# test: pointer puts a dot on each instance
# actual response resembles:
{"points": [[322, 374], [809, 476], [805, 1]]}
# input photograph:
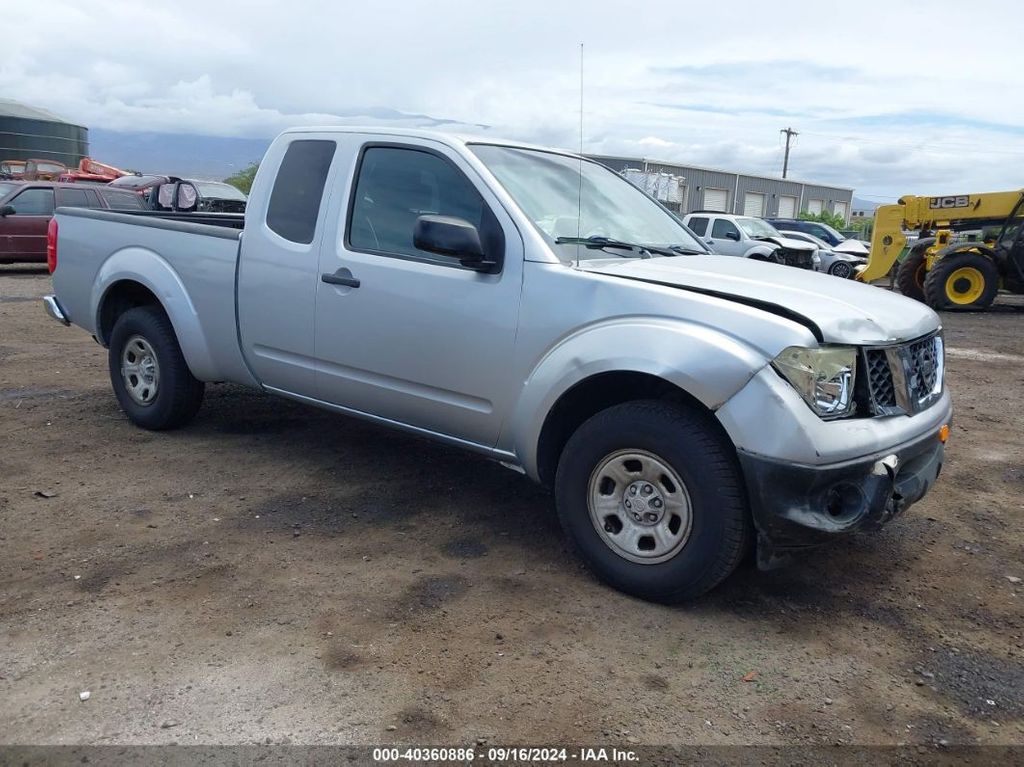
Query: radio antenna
{"points": [[579, 205]]}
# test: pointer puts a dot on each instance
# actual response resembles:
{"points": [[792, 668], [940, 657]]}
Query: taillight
{"points": [[51, 246]]}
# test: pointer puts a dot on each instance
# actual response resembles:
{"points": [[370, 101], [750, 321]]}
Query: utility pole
{"points": [[790, 133]]}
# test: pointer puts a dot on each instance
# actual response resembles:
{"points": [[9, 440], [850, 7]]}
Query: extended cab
{"points": [[537, 308], [753, 238]]}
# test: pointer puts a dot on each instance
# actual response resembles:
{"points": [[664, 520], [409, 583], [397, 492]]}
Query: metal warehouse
{"points": [[686, 188], [30, 133]]}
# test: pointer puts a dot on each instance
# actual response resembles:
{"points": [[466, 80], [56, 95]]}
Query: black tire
{"points": [[687, 441], [841, 269], [941, 285], [178, 394], [911, 275]]}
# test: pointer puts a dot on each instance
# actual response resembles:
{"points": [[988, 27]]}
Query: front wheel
{"points": [[841, 269], [650, 494], [151, 380]]}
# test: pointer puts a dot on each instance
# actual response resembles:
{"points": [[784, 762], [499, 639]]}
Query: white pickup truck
{"points": [[535, 307]]}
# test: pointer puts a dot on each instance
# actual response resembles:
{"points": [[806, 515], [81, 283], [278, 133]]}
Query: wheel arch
{"points": [[979, 248], [578, 378], [599, 392], [139, 277], [762, 253]]}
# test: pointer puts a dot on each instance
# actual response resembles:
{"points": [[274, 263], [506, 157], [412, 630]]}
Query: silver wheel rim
{"points": [[842, 269], [140, 370], [639, 506]]}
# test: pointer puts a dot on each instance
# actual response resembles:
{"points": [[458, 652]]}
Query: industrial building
{"points": [[30, 133], [686, 188]]}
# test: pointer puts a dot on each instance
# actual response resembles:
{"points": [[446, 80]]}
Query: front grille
{"points": [[904, 379], [802, 259], [924, 367], [883, 392]]}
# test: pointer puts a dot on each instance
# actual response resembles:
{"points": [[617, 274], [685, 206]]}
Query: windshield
{"points": [[219, 191], [5, 189], [833, 233], [547, 187], [756, 227]]}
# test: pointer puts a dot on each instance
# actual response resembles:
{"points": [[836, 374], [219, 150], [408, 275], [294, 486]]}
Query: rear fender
{"points": [[159, 277]]}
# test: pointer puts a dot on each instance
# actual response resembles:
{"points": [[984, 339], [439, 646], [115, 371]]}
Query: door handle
{"points": [[340, 277]]}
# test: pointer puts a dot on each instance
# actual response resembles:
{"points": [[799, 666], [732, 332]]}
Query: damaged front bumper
{"points": [[797, 506]]}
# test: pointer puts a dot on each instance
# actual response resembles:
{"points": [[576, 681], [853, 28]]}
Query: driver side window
{"points": [[33, 202], [725, 229], [396, 186]]}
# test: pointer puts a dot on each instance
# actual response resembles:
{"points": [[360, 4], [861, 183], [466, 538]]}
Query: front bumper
{"points": [[796, 506]]}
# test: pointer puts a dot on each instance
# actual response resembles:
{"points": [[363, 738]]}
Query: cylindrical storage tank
{"points": [[30, 133]]}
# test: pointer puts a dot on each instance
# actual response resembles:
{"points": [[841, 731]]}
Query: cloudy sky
{"points": [[889, 97]]}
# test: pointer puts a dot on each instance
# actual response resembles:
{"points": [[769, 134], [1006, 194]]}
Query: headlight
{"points": [[824, 377]]}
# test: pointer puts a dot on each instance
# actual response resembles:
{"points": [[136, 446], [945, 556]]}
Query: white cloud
{"points": [[884, 109]]}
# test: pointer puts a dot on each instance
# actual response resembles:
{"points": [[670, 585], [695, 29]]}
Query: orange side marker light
{"points": [[944, 433]]}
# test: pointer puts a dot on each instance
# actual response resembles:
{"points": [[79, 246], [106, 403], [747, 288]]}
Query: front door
{"points": [[411, 336], [23, 232], [724, 238]]}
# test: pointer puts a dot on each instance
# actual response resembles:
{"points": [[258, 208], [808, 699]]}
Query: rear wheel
{"points": [[151, 380], [911, 275], [962, 281], [651, 496]]}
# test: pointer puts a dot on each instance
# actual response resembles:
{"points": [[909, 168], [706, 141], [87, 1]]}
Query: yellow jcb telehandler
{"points": [[943, 273]]}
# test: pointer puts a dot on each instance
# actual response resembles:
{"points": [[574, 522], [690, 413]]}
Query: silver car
{"points": [[834, 262], [534, 307]]}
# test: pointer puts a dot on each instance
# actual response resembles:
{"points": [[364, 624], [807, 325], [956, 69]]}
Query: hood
{"points": [[786, 242], [837, 311], [853, 247]]}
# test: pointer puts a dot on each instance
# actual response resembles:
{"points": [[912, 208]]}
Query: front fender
{"points": [[967, 247], [709, 365], [153, 272], [766, 252]]}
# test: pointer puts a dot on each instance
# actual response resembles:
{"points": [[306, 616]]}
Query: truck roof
{"points": [[445, 137]]}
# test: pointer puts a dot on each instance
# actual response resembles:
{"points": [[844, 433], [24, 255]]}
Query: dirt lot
{"points": [[277, 574]]}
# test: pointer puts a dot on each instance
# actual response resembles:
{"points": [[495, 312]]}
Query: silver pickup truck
{"points": [[537, 308]]}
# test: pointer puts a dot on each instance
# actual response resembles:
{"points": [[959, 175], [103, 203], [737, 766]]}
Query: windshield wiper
{"points": [[644, 251], [684, 251]]}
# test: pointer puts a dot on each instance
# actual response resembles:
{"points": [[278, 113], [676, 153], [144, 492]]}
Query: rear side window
{"points": [[299, 188], [33, 202], [122, 200], [699, 225], [723, 227], [75, 198]]}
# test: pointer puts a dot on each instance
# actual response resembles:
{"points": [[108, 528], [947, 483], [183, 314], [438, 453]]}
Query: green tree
{"points": [[243, 179], [832, 219], [863, 225]]}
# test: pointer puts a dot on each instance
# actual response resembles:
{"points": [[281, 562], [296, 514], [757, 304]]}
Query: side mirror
{"points": [[451, 236], [7, 210], [732, 236]]}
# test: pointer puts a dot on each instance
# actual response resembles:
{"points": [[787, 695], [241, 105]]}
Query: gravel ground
{"points": [[276, 574]]}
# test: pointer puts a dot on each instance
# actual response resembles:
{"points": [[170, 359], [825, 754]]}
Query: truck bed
{"points": [[227, 220], [187, 260]]}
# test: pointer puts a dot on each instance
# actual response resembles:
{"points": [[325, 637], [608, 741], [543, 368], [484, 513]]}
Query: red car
{"points": [[26, 208]]}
